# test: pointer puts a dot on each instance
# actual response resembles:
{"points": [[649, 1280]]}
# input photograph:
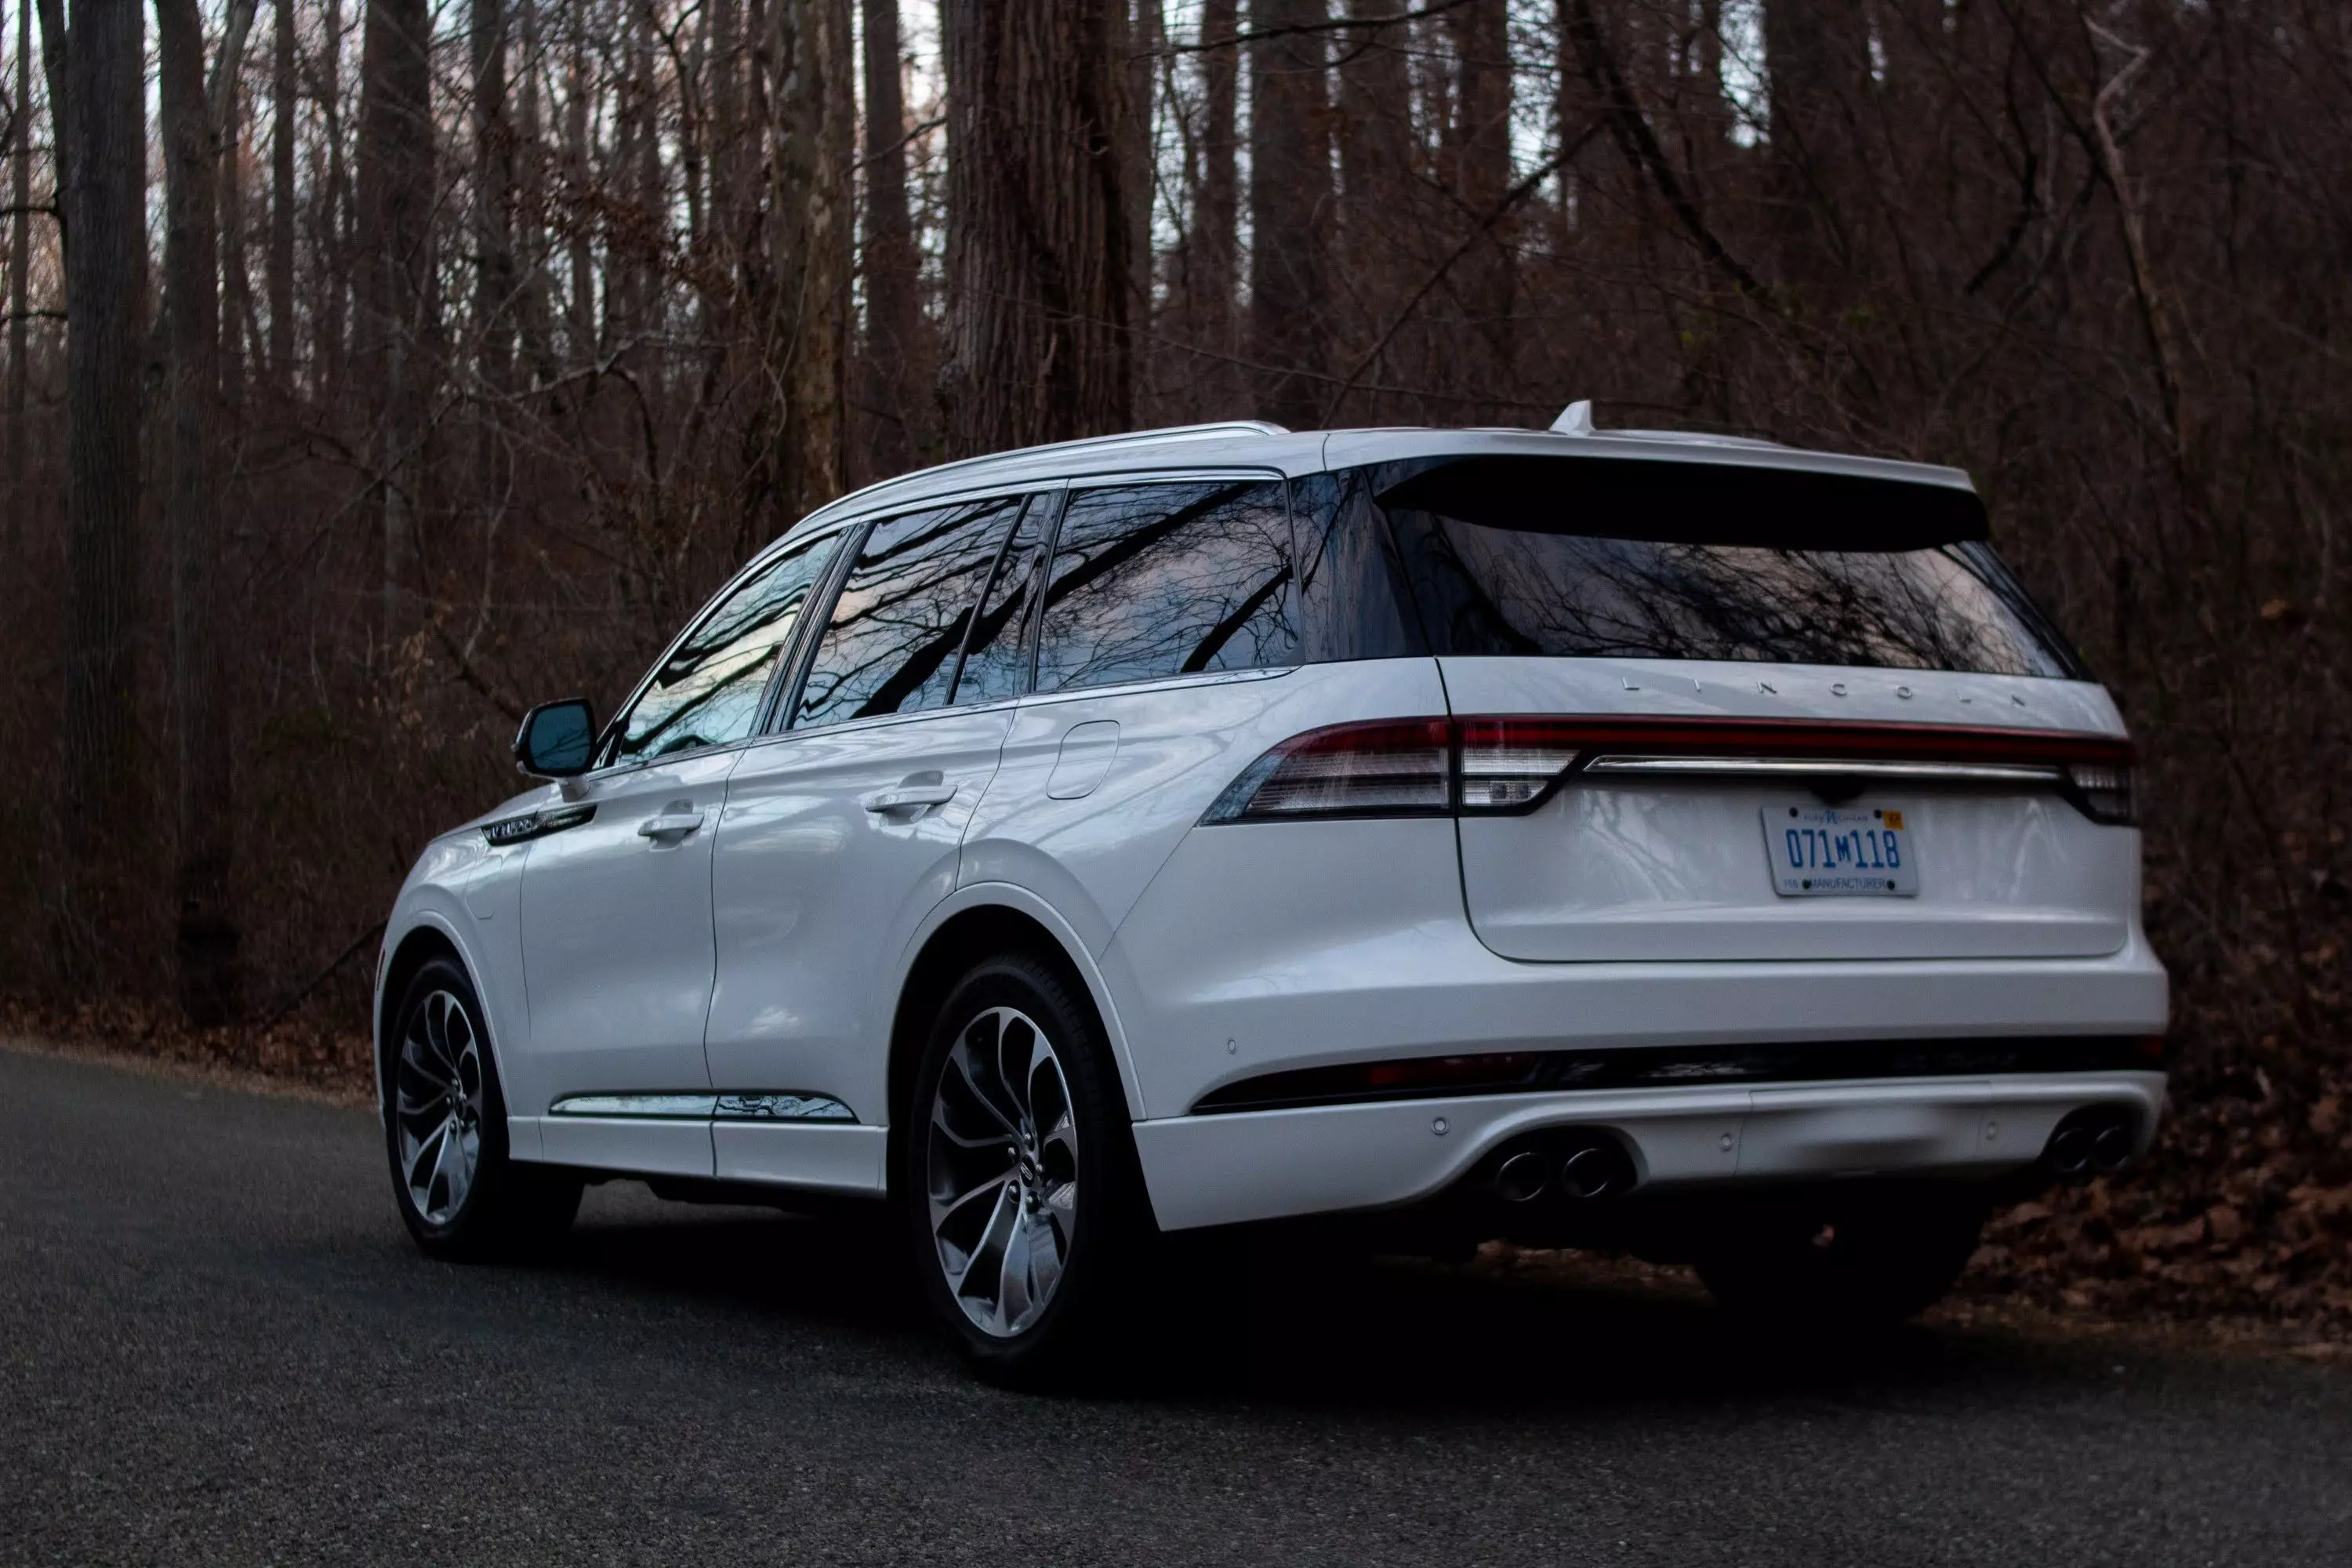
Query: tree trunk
{"points": [[206, 938], [223, 105], [900, 357], [1210, 278], [280, 279], [1383, 222], [1037, 224], [494, 280], [1480, 137], [331, 340], [1290, 212], [20, 255], [104, 115], [815, 137], [396, 201]]}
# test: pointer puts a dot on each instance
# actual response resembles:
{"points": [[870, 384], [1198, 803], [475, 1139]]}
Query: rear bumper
{"points": [[1240, 1166]]}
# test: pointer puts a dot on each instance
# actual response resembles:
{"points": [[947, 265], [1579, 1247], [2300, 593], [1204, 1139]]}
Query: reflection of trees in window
{"points": [[892, 644], [1159, 580], [707, 691], [993, 669], [1492, 590]]}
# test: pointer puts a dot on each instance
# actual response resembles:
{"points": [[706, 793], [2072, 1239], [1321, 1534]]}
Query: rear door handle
{"points": [[669, 823], [909, 795]]}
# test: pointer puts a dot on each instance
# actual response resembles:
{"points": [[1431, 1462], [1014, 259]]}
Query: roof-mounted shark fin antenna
{"points": [[1576, 419]]}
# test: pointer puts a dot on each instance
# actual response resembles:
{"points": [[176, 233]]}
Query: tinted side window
{"points": [[708, 691], [995, 663], [898, 626], [1158, 580], [1351, 601]]}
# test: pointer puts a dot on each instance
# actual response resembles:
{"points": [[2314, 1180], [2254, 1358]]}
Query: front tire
{"points": [[1024, 1202], [445, 1129], [1867, 1261]]}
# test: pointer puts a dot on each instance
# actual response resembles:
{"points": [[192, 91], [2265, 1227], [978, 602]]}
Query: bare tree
{"points": [[206, 936], [20, 267], [1037, 344], [900, 356], [1291, 208], [278, 277], [103, 114], [394, 274], [812, 142]]}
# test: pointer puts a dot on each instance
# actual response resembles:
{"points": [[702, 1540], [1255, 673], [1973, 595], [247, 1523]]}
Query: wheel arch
{"points": [[419, 945], [980, 920]]}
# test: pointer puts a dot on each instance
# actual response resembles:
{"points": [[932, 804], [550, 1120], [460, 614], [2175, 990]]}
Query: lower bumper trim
{"points": [[1657, 1066]]}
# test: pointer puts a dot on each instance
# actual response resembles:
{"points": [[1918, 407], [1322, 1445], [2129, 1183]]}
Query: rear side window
{"points": [[1155, 580], [707, 692], [1657, 560], [995, 665], [897, 628]]}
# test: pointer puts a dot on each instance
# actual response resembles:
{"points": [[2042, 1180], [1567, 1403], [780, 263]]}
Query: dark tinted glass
{"points": [[1158, 580], [707, 692], [1350, 603], [1633, 566], [898, 624], [994, 662]]}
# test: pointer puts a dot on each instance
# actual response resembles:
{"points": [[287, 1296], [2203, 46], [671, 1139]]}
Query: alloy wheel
{"points": [[1001, 1171], [437, 1109]]}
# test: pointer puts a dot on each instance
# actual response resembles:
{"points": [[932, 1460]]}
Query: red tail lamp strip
{"points": [[1509, 762]]}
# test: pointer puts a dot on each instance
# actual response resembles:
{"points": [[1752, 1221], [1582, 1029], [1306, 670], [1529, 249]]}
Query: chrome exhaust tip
{"points": [[1522, 1178]]}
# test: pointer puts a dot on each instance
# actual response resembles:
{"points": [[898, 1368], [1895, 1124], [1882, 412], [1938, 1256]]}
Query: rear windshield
{"points": [[1660, 560]]}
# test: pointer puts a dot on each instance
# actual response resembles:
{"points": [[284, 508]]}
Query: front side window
{"points": [[708, 691], [898, 629], [1155, 580]]}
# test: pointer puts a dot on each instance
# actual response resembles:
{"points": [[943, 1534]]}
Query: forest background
{"points": [[373, 368]]}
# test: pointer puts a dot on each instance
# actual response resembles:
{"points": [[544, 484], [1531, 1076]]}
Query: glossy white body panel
{"points": [[1342, 942], [815, 896], [818, 1158], [1180, 745], [1628, 869], [1269, 1164], [616, 937]]}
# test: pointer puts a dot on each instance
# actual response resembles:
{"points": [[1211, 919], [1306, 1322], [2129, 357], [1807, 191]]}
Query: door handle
{"points": [[909, 795], [678, 822]]}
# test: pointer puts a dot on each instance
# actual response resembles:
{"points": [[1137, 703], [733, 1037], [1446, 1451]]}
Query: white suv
{"points": [[1621, 838]]}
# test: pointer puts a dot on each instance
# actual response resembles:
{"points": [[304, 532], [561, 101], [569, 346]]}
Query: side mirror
{"points": [[558, 739]]}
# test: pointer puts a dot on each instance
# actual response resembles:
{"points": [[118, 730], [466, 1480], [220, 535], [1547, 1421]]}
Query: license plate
{"points": [[1828, 850]]}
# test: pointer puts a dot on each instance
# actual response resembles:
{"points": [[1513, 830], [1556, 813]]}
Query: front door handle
{"points": [[909, 795], [669, 824]]}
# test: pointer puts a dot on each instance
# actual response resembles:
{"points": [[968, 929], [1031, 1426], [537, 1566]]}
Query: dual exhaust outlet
{"points": [[1579, 1167], [2096, 1141]]}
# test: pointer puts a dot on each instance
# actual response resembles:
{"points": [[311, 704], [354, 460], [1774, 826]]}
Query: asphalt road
{"points": [[216, 1344]]}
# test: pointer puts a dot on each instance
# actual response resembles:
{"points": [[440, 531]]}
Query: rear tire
{"points": [[1869, 1260], [1024, 1204], [445, 1129]]}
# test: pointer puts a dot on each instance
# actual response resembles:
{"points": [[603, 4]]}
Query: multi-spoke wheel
{"points": [[445, 1129], [1003, 1171], [1019, 1172], [438, 1107]]}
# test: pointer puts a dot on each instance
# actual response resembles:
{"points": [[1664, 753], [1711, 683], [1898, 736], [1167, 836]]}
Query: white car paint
{"points": [[765, 950]]}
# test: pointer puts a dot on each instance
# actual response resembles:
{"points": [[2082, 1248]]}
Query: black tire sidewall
{"points": [[1112, 1225]]}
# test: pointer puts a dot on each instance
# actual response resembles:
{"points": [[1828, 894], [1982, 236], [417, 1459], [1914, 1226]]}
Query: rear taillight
{"points": [[1399, 768], [1437, 767], [2105, 792], [1507, 765], [1411, 767]]}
